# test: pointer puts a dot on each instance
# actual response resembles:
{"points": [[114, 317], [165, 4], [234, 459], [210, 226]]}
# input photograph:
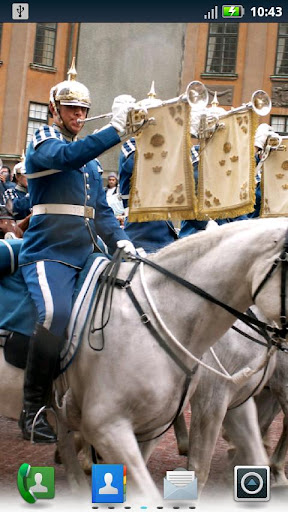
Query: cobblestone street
{"points": [[15, 451]]}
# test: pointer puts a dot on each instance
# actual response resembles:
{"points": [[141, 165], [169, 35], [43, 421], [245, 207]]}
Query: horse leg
{"points": [[147, 448], [268, 407], [278, 458], [242, 428], [68, 455], [181, 434], [116, 444], [205, 428]]}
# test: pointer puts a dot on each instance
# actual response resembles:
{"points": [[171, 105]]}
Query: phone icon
{"points": [[35, 482]]}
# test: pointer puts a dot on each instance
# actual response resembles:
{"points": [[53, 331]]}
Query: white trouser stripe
{"points": [[44, 286]]}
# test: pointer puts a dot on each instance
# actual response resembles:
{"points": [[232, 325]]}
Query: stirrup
{"points": [[43, 408]]}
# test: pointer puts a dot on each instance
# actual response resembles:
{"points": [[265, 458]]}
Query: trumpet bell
{"points": [[197, 95], [261, 102]]}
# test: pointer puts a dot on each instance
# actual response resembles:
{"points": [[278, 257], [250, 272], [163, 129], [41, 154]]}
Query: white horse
{"points": [[217, 401], [121, 397]]}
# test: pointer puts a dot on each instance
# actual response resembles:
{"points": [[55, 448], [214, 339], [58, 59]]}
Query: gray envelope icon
{"points": [[173, 492]]}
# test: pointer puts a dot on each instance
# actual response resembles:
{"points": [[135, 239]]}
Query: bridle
{"points": [[283, 261], [109, 280]]}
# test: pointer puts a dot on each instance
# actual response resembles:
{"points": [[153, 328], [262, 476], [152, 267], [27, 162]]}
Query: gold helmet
{"points": [[70, 92]]}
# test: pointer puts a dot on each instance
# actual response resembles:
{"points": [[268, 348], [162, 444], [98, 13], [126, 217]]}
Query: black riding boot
{"points": [[43, 354]]}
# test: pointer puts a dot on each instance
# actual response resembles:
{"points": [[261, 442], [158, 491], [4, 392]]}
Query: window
{"points": [[281, 67], [280, 124], [44, 50], [1, 28], [222, 48], [38, 115]]}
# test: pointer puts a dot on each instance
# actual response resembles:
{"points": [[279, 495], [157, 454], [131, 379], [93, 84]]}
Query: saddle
{"points": [[18, 314]]}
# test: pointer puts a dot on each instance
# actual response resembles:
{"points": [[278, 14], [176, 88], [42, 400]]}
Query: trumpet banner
{"points": [[162, 185], [226, 181], [274, 183]]}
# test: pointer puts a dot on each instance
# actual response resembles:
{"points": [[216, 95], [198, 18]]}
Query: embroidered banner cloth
{"points": [[163, 181], [226, 186], [274, 183]]}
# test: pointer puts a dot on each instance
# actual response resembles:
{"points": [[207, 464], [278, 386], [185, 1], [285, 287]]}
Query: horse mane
{"points": [[203, 241]]}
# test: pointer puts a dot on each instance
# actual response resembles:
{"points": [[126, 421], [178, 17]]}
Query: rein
{"points": [[283, 259], [246, 319], [6, 217]]}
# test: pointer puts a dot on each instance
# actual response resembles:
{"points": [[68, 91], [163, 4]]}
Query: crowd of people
{"points": [[68, 209]]}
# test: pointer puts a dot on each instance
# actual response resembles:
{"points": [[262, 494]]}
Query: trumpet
{"points": [[195, 94], [260, 102]]}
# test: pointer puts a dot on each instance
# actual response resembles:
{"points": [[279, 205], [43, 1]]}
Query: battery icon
{"points": [[232, 11]]}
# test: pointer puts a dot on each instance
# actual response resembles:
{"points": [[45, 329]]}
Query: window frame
{"points": [[221, 73], [40, 121], [285, 37], [44, 27], [275, 116]]}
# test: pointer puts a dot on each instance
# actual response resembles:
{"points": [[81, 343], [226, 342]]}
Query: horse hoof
{"points": [[57, 457], [183, 450]]}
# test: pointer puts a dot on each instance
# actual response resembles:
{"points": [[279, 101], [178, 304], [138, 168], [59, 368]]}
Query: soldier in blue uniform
{"points": [[153, 235], [69, 210], [17, 199]]}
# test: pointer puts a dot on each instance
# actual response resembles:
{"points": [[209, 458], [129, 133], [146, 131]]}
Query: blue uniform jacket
{"points": [[152, 235], [21, 201], [66, 238]]}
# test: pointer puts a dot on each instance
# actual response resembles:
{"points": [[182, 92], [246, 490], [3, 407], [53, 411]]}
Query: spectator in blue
{"points": [[17, 199], [5, 180]]}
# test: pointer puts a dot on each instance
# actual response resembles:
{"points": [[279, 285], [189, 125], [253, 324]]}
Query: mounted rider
{"points": [[190, 227], [69, 210]]}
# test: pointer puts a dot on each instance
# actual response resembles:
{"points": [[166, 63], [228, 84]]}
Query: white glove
{"points": [[127, 247], [212, 224], [9, 235], [120, 108], [263, 131]]}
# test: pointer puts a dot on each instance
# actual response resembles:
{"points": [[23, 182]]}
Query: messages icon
{"points": [[180, 484]]}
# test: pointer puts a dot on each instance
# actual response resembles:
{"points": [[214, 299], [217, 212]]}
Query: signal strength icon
{"points": [[212, 15]]}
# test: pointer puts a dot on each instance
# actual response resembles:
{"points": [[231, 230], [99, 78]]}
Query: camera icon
{"points": [[252, 483]]}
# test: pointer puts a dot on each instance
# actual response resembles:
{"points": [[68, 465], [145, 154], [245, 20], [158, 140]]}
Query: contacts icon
{"points": [[108, 483]]}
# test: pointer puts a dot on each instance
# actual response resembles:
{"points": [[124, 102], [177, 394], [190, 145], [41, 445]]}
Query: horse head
{"points": [[8, 226]]}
